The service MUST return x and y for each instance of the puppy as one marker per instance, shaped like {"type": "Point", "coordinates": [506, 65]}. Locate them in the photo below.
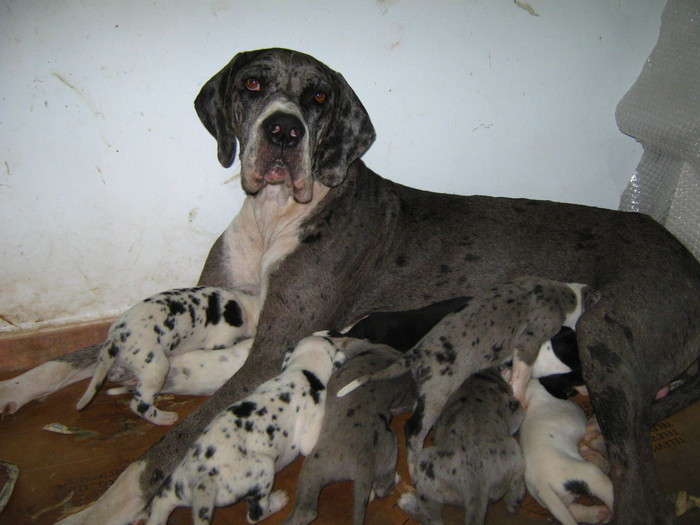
{"type": "Point", "coordinates": [168, 324]}
{"type": "Point", "coordinates": [237, 455]}
{"type": "Point", "coordinates": [511, 321]}
{"type": "Point", "coordinates": [356, 441]}
{"type": "Point", "coordinates": [555, 472]}
{"type": "Point", "coordinates": [474, 458]}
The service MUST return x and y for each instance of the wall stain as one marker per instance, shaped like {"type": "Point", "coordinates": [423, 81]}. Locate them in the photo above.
{"type": "Point", "coordinates": [526, 7]}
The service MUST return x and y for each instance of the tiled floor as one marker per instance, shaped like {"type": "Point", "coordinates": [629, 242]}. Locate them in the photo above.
{"type": "Point", "coordinates": [61, 473]}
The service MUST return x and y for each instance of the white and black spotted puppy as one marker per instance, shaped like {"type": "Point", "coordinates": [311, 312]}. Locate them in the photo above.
{"type": "Point", "coordinates": [555, 472]}
{"type": "Point", "coordinates": [474, 459]}
{"type": "Point", "coordinates": [236, 456]}
{"type": "Point", "coordinates": [356, 441]}
{"type": "Point", "coordinates": [511, 321]}
{"type": "Point", "coordinates": [167, 324]}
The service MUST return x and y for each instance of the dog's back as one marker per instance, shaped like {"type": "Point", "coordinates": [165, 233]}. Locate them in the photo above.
{"type": "Point", "coordinates": [474, 458]}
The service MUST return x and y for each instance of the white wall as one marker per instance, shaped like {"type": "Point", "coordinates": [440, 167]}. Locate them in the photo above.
{"type": "Point", "coordinates": [109, 186]}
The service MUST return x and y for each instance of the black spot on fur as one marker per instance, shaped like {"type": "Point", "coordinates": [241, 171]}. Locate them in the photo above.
{"type": "Point", "coordinates": [149, 357]}
{"type": "Point", "coordinates": [232, 313]}
{"type": "Point", "coordinates": [427, 467]}
{"type": "Point", "coordinates": [578, 487]}
{"type": "Point", "coordinates": [211, 450]}
{"type": "Point", "coordinates": [243, 409]}
{"type": "Point", "coordinates": [213, 310]}
{"type": "Point", "coordinates": [401, 260]}
{"type": "Point", "coordinates": [315, 384]}
{"type": "Point", "coordinates": [175, 307]}
{"type": "Point", "coordinates": [285, 397]}
{"type": "Point", "coordinates": [157, 476]}
{"type": "Point", "coordinates": [113, 350]}
{"type": "Point", "coordinates": [270, 431]}
{"type": "Point", "coordinates": [169, 323]}
{"type": "Point", "coordinates": [142, 407]}
{"type": "Point", "coordinates": [157, 329]}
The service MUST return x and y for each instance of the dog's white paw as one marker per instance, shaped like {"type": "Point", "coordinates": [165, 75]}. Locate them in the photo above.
{"type": "Point", "coordinates": [11, 398]}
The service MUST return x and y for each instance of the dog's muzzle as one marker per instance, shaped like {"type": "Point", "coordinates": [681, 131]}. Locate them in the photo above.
{"type": "Point", "coordinates": [279, 153]}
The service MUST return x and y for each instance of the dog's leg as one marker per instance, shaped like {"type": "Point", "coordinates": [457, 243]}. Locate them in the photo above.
{"type": "Point", "coordinates": [476, 503]}
{"type": "Point", "coordinates": [266, 505]}
{"type": "Point", "coordinates": [549, 499]}
{"type": "Point", "coordinates": [203, 499]}
{"type": "Point", "coordinates": [202, 372]}
{"type": "Point", "coordinates": [150, 381]}
{"type": "Point", "coordinates": [312, 478]}
{"type": "Point", "coordinates": [515, 493]}
{"type": "Point", "coordinates": [624, 415]}
{"type": "Point", "coordinates": [47, 378]}
{"type": "Point", "coordinates": [362, 488]}
{"type": "Point", "coordinates": [416, 429]}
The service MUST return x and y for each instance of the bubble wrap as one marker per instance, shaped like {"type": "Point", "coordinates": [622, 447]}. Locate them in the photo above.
{"type": "Point", "coordinates": [662, 111]}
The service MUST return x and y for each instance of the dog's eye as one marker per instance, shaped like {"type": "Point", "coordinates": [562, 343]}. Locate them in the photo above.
{"type": "Point", "coordinates": [252, 84]}
{"type": "Point", "coordinates": [320, 97]}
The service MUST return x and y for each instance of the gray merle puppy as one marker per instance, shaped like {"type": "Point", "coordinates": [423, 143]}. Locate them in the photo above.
{"type": "Point", "coordinates": [238, 454]}
{"type": "Point", "coordinates": [474, 458]}
{"type": "Point", "coordinates": [168, 324]}
{"type": "Point", "coordinates": [356, 441]}
{"type": "Point", "coordinates": [511, 321]}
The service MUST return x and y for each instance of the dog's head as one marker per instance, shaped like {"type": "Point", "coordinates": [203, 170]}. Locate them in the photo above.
{"type": "Point", "coordinates": [316, 353]}
{"type": "Point", "coordinates": [296, 120]}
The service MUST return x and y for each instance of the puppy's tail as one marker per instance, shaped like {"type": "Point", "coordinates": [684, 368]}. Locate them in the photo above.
{"type": "Point", "coordinates": [394, 370]}
{"type": "Point", "coordinates": [104, 363]}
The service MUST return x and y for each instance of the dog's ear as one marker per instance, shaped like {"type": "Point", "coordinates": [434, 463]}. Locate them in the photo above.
{"type": "Point", "coordinates": [348, 137]}
{"type": "Point", "coordinates": [214, 112]}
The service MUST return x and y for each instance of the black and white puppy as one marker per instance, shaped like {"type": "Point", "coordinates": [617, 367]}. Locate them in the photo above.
{"type": "Point", "coordinates": [238, 454]}
{"type": "Point", "coordinates": [356, 440]}
{"type": "Point", "coordinates": [555, 472]}
{"type": "Point", "coordinates": [474, 459]}
{"type": "Point", "coordinates": [171, 323]}
{"type": "Point", "coordinates": [558, 366]}
{"type": "Point", "coordinates": [511, 321]}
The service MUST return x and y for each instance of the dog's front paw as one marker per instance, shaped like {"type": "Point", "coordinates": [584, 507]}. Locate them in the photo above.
{"type": "Point", "coordinates": [11, 398]}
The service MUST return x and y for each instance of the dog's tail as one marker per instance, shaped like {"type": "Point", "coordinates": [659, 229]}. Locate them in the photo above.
{"type": "Point", "coordinates": [394, 370]}
{"type": "Point", "coordinates": [104, 363]}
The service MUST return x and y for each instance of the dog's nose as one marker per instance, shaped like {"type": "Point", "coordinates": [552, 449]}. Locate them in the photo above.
{"type": "Point", "coordinates": [283, 130]}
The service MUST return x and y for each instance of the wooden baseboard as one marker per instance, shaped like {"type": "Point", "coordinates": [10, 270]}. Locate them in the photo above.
{"type": "Point", "coordinates": [29, 348]}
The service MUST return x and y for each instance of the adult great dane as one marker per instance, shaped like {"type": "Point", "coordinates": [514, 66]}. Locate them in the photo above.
{"type": "Point", "coordinates": [325, 240]}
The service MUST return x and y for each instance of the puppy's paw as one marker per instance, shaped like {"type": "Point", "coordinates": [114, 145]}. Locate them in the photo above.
{"type": "Point", "coordinates": [278, 500]}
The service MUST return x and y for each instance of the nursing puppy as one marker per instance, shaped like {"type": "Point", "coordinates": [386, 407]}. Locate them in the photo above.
{"type": "Point", "coordinates": [168, 324]}
{"type": "Point", "coordinates": [474, 459]}
{"type": "Point", "coordinates": [511, 321]}
{"type": "Point", "coordinates": [237, 455]}
{"type": "Point", "coordinates": [356, 441]}
{"type": "Point", "coordinates": [555, 472]}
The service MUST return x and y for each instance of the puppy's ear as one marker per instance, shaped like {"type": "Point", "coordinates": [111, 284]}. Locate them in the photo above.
{"type": "Point", "coordinates": [348, 136]}
{"type": "Point", "coordinates": [287, 358]}
{"type": "Point", "coordinates": [589, 297]}
{"type": "Point", "coordinates": [213, 106]}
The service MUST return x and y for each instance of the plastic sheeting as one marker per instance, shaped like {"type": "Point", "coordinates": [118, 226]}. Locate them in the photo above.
{"type": "Point", "coordinates": [662, 111]}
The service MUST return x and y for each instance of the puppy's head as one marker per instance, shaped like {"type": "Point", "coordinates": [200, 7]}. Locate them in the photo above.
{"type": "Point", "coordinates": [297, 121]}
{"type": "Point", "coordinates": [317, 354]}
